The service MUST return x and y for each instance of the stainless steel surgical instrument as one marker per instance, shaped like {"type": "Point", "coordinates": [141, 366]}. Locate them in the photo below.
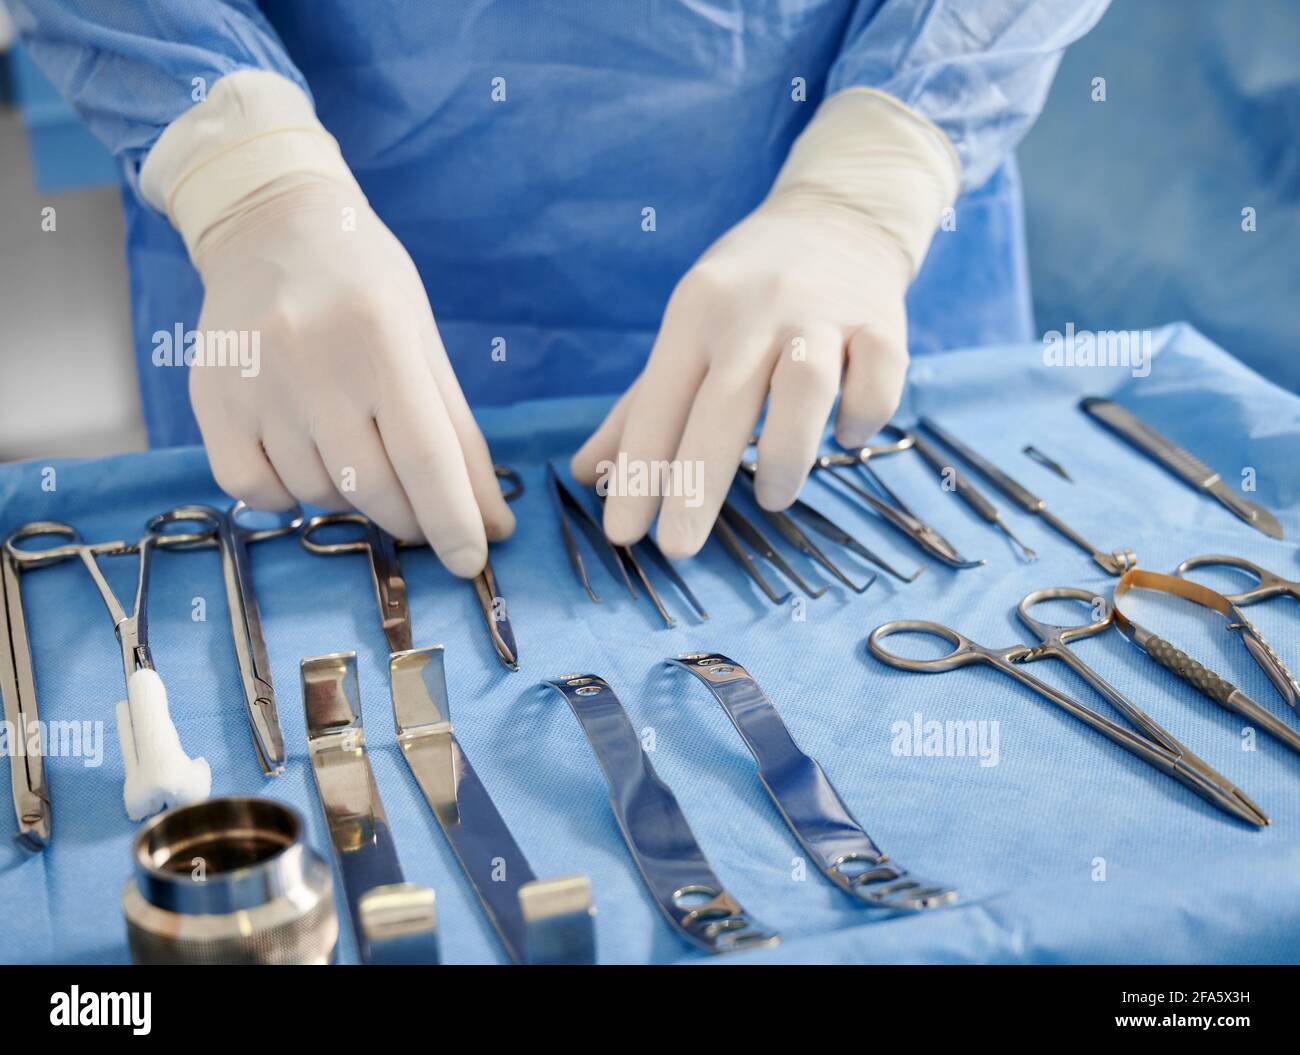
{"type": "Point", "coordinates": [798, 538]}
{"type": "Point", "coordinates": [891, 507]}
{"type": "Point", "coordinates": [393, 921]}
{"type": "Point", "coordinates": [536, 920]}
{"type": "Point", "coordinates": [968, 492]}
{"type": "Point", "coordinates": [1050, 464]}
{"type": "Point", "coordinates": [1113, 563]}
{"type": "Point", "coordinates": [617, 558]}
{"type": "Point", "coordinates": [1201, 678]}
{"type": "Point", "coordinates": [493, 606]}
{"type": "Point", "coordinates": [735, 531]}
{"type": "Point", "coordinates": [18, 687]}
{"type": "Point", "coordinates": [1267, 583]}
{"type": "Point", "coordinates": [1186, 467]}
{"type": "Point", "coordinates": [1153, 744]}
{"type": "Point", "coordinates": [158, 772]}
{"type": "Point", "coordinates": [683, 884]}
{"type": "Point", "coordinates": [229, 881]}
{"type": "Point", "coordinates": [805, 797]}
{"type": "Point", "coordinates": [231, 538]}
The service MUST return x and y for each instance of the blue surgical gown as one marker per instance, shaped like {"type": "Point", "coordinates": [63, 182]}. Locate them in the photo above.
{"type": "Point", "coordinates": [514, 145]}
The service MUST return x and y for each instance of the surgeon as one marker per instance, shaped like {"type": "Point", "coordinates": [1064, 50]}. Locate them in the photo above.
{"type": "Point", "coordinates": [709, 205]}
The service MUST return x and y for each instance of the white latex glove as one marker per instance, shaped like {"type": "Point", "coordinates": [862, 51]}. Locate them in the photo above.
{"type": "Point", "coordinates": [801, 300]}
{"type": "Point", "coordinates": [354, 402]}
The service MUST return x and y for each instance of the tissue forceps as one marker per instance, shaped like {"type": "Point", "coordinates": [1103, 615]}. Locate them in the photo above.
{"type": "Point", "coordinates": [894, 510]}
{"type": "Point", "coordinates": [1154, 744]}
{"type": "Point", "coordinates": [231, 538]}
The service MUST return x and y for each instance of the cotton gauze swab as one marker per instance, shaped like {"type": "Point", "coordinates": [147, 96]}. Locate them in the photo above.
{"type": "Point", "coordinates": [158, 771]}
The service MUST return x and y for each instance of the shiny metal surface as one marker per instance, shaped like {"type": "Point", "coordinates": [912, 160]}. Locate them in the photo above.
{"type": "Point", "coordinates": [737, 532]}
{"type": "Point", "coordinates": [538, 921]}
{"type": "Point", "coordinates": [969, 493]}
{"type": "Point", "coordinates": [228, 881]}
{"type": "Point", "coordinates": [1050, 464]}
{"type": "Point", "coordinates": [678, 875]}
{"type": "Point", "coordinates": [460, 803]}
{"type": "Point", "coordinates": [496, 616]}
{"type": "Point", "coordinates": [231, 539]}
{"type": "Point", "coordinates": [805, 797]}
{"type": "Point", "coordinates": [385, 569]}
{"type": "Point", "coordinates": [1137, 433]}
{"type": "Point", "coordinates": [1267, 584]}
{"type": "Point", "coordinates": [393, 921]}
{"type": "Point", "coordinates": [1154, 744]}
{"type": "Point", "coordinates": [789, 530]}
{"type": "Point", "coordinates": [1114, 563]}
{"type": "Point", "coordinates": [131, 628]}
{"type": "Point", "coordinates": [886, 503]}
{"type": "Point", "coordinates": [31, 795]}
{"type": "Point", "coordinates": [1207, 682]}
{"type": "Point", "coordinates": [568, 511]}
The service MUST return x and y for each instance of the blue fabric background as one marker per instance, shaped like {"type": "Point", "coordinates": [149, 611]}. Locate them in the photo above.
{"type": "Point", "coordinates": [1020, 839]}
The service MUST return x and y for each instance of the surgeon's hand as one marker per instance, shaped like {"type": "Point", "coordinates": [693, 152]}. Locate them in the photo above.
{"type": "Point", "coordinates": [800, 302]}
{"type": "Point", "coordinates": [353, 400]}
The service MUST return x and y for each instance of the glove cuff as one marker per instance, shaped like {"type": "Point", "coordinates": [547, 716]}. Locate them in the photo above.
{"type": "Point", "coordinates": [866, 151]}
{"type": "Point", "coordinates": [253, 128]}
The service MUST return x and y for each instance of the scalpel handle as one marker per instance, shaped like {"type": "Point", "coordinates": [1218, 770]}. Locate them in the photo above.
{"type": "Point", "coordinates": [1128, 426]}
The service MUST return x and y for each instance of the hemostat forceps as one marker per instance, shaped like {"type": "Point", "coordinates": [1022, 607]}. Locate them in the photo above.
{"type": "Point", "coordinates": [1201, 678]}
{"type": "Point", "coordinates": [1153, 744]}
{"type": "Point", "coordinates": [18, 687]}
{"type": "Point", "coordinates": [537, 920]}
{"type": "Point", "coordinates": [893, 509]}
{"type": "Point", "coordinates": [231, 538]}
{"type": "Point", "coordinates": [158, 772]}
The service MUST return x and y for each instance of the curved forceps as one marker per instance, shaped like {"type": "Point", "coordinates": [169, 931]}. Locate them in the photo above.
{"type": "Point", "coordinates": [1267, 583]}
{"type": "Point", "coordinates": [231, 538]}
{"type": "Point", "coordinates": [1154, 745]}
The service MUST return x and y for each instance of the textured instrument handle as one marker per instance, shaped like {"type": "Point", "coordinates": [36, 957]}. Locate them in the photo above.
{"type": "Point", "coordinates": [1201, 678]}
{"type": "Point", "coordinates": [1149, 441]}
{"type": "Point", "coordinates": [965, 489]}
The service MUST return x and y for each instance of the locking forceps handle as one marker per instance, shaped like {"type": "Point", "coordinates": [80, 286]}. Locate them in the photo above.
{"type": "Point", "coordinates": [683, 884]}
{"type": "Point", "coordinates": [1267, 584]}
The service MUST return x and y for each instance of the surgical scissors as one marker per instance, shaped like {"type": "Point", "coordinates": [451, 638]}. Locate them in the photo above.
{"type": "Point", "coordinates": [1267, 583]}
{"type": "Point", "coordinates": [892, 508]}
{"type": "Point", "coordinates": [231, 538]}
{"type": "Point", "coordinates": [1154, 744]}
